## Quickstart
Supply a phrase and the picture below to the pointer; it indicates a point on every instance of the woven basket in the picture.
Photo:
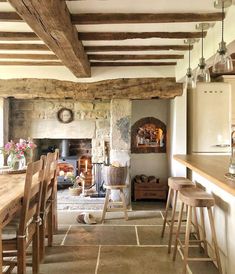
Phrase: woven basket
(115, 175)
(75, 191)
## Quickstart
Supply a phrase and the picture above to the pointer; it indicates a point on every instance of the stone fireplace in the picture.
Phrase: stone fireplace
(106, 124)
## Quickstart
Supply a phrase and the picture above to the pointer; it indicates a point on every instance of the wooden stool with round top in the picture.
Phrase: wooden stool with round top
(108, 203)
(197, 198)
(175, 185)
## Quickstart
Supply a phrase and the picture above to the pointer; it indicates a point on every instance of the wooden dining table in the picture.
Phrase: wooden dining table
(11, 196)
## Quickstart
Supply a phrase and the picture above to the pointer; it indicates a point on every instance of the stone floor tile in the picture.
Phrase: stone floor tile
(101, 235)
(134, 218)
(137, 260)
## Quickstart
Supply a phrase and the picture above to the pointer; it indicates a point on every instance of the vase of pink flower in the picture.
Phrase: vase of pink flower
(16, 153)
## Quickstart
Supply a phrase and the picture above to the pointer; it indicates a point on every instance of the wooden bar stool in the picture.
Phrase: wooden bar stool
(175, 185)
(197, 198)
(108, 203)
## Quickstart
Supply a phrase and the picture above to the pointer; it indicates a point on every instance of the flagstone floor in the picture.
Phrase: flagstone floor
(115, 246)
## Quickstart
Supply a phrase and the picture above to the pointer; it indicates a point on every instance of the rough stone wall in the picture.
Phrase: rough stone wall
(120, 140)
(38, 119)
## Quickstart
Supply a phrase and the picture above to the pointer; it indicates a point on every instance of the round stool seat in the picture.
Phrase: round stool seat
(196, 197)
(177, 183)
(114, 186)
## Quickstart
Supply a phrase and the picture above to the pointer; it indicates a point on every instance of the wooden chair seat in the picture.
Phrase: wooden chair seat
(196, 197)
(177, 183)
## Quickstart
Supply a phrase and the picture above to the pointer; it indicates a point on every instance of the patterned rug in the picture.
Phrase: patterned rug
(65, 201)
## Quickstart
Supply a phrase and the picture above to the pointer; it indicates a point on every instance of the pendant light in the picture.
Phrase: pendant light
(222, 62)
(202, 71)
(189, 83)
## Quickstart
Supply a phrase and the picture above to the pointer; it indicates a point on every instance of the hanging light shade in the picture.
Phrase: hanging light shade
(202, 71)
(189, 83)
(222, 62)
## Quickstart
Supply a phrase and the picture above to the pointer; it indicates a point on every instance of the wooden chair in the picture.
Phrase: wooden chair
(194, 198)
(26, 227)
(48, 204)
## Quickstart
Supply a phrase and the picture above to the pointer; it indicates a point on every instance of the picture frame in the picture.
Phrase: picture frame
(65, 115)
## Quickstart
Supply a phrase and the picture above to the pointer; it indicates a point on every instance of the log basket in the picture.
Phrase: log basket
(115, 175)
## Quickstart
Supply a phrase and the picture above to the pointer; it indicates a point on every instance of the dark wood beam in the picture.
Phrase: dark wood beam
(130, 18)
(132, 64)
(137, 48)
(17, 36)
(126, 18)
(123, 88)
(51, 21)
(38, 47)
(30, 63)
(93, 36)
(114, 57)
(10, 17)
(28, 56)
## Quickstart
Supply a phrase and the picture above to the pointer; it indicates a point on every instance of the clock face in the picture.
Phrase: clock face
(65, 115)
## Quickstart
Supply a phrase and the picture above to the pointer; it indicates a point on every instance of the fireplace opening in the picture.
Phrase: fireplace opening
(75, 157)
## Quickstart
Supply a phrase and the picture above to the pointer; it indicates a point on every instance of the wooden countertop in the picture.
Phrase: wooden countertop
(211, 167)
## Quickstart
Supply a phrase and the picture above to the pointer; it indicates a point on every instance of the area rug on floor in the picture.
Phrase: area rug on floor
(65, 201)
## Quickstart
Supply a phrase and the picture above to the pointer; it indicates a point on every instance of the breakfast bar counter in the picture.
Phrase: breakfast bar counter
(208, 172)
(211, 167)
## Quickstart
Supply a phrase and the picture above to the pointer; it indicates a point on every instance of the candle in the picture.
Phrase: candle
(86, 166)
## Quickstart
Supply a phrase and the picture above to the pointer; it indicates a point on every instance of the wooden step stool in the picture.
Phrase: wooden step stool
(108, 204)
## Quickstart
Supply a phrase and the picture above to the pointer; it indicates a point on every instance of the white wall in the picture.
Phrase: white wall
(4, 128)
(97, 73)
(177, 132)
(150, 163)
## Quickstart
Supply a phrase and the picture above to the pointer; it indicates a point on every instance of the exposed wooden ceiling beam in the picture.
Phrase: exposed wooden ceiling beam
(137, 48)
(51, 21)
(132, 88)
(24, 36)
(30, 63)
(126, 18)
(41, 47)
(17, 36)
(28, 56)
(10, 17)
(132, 64)
(90, 36)
(38, 47)
(114, 57)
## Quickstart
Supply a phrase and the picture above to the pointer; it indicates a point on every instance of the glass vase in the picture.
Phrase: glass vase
(16, 163)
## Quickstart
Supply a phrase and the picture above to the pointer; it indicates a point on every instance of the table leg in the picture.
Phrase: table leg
(1, 249)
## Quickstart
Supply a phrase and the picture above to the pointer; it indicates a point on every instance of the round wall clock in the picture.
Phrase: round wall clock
(65, 115)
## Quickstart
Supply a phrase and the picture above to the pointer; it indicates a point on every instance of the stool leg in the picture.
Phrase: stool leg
(178, 230)
(187, 235)
(123, 203)
(172, 220)
(196, 226)
(105, 204)
(166, 212)
(214, 239)
(203, 230)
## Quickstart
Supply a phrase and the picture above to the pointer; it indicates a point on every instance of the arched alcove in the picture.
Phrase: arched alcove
(148, 135)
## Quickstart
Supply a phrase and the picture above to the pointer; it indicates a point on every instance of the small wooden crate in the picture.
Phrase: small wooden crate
(150, 191)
